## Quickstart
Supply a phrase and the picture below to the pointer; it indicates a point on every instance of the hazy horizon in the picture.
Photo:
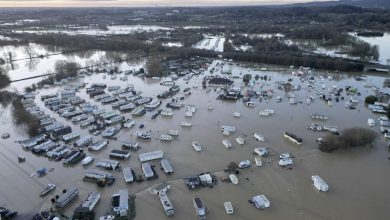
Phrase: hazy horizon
(143, 3)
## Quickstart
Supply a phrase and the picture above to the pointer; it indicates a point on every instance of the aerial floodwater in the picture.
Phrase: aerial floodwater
(350, 174)
(195, 113)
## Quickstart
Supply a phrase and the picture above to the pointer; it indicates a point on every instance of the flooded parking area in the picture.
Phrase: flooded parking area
(357, 178)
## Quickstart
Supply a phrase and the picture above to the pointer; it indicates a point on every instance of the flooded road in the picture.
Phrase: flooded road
(358, 178)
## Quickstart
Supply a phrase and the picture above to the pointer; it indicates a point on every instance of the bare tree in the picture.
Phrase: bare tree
(114, 56)
(350, 137)
(153, 65)
(66, 68)
(9, 57)
(30, 52)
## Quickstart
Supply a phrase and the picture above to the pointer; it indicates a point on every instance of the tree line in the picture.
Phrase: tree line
(350, 138)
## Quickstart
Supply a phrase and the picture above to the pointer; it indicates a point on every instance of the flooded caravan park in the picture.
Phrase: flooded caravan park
(357, 177)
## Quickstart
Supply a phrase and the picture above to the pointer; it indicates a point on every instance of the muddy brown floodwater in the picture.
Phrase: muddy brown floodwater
(358, 178)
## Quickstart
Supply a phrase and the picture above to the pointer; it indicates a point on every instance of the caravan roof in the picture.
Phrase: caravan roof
(113, 164)
(147, 169)
(158, 154)
(128, 174)
(166, 165)
(260, 202)
(319, 183)
(122, 204)
(67, 197)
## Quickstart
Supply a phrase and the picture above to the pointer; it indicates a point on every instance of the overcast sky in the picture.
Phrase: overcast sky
(138, 3)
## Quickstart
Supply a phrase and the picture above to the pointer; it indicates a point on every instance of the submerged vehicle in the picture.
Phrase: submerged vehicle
(5, 136)
(41, 172)
(173, 132)
(196, 146)
(166, 112)
(285, 162)
(258, 161)
(166, 137)
(129, 123)
(233, 178)
(285, 155)
(244, 164)
(7, 213)
(260, 202)
(371, 122)
(143, 134)
(227, 144)
(228, 207)
(240, 140)
(261, 151)
(258, 137)
(50, 187)
(319, 183)
(185, 124)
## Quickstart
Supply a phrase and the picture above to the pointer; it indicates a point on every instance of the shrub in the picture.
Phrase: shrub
(388, 111)
(371, 99)
(351, 137)
(153, 66)
(65, 69)
(6, 97)
(23, 117)
(4, 79)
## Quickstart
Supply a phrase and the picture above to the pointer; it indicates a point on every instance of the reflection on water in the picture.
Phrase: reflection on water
(19, 51)
(23, 67)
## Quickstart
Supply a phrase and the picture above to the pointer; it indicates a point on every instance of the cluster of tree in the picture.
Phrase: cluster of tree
(371, 99)
(251, 19)
(278, 58)
(228, 46)
(6, 97)
(24, 118)
(364, 50)
(64, 69)
(4, 78)
(153, 67)
(272, 45)
(185, 53)
(326, 36)
(318, 62)
(12, 42)
(69, 43)
(350, 138)
(187, 37)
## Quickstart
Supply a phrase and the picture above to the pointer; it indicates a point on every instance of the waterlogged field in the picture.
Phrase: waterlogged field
(111, 30)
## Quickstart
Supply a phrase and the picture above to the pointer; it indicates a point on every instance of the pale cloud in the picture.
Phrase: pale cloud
(138, 3)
